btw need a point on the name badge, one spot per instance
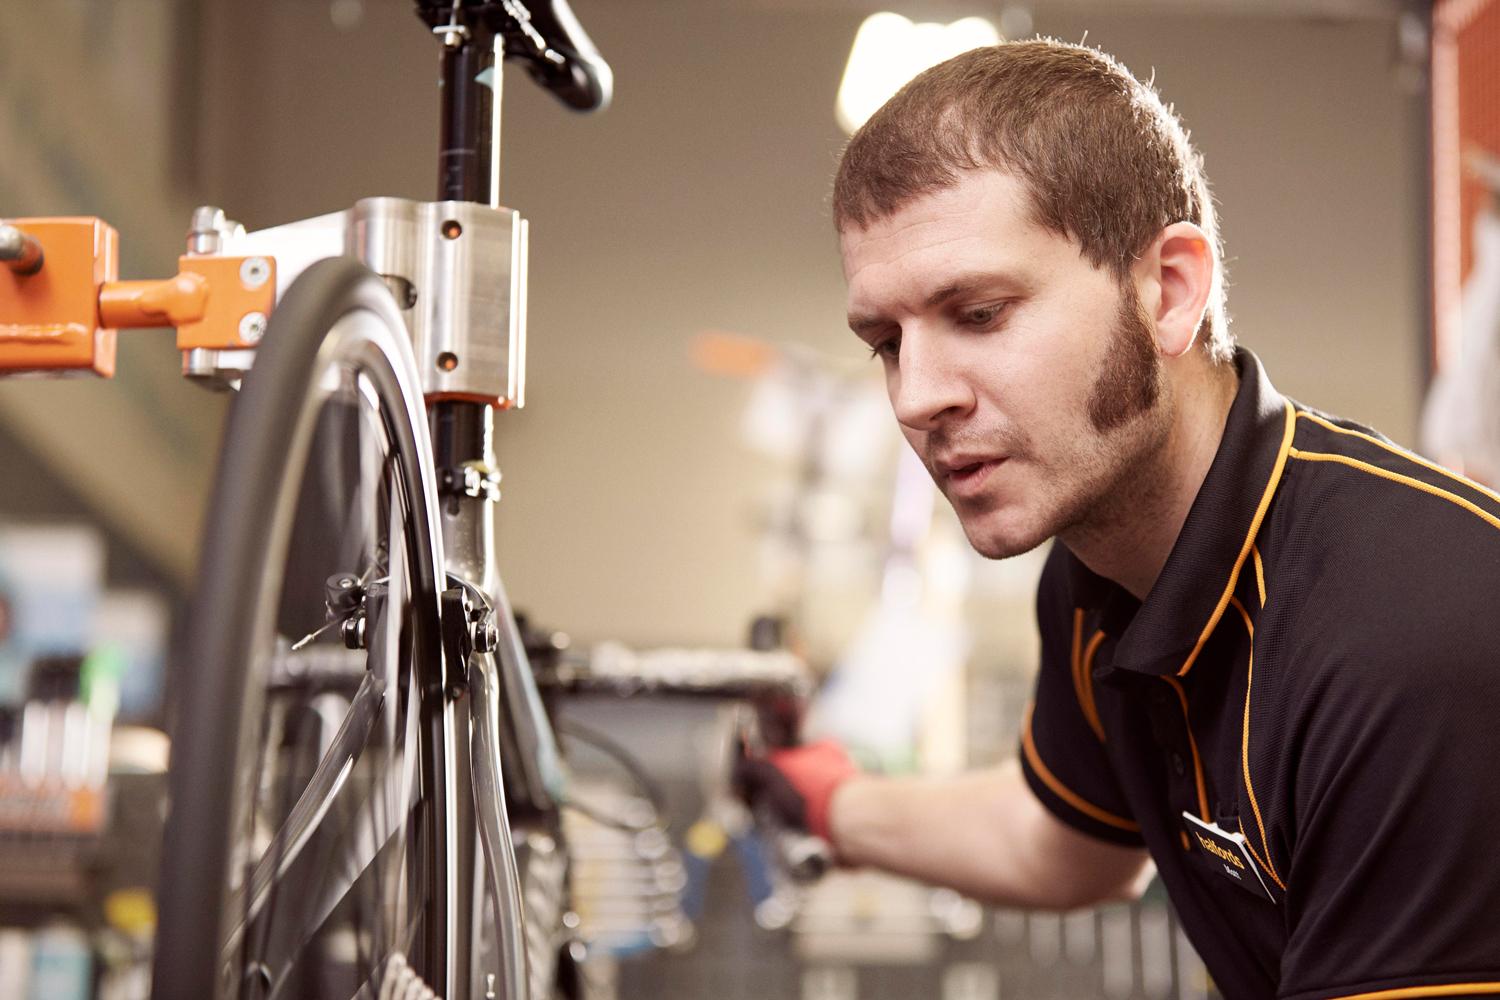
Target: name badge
(1229, 854)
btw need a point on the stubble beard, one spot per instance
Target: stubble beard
(1126, 409)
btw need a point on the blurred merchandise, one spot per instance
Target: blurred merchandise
(1461, 420)
(628, 878)
(56, 758)
(78, 840)
(866, 574)
(820, 524)
(125, 946)
(135, 624)
(870, 917)
(62, 967)
(15, 962)
(1463, 173)
(50, 579)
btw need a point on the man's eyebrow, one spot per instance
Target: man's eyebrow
(865, 324)
(962, 285)
(965, 284)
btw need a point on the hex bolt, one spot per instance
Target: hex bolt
(252, 327)
(254, 272)
(485, 635)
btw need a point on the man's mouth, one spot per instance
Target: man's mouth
(967, 478)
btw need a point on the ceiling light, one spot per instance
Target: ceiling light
(889, 50)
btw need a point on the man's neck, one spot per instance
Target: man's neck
(1130, 540)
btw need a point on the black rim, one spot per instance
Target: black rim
(319, 852)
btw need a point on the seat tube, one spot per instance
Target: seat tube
(468, 170)
(462, 435)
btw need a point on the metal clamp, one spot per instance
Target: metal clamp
(458, 273)
(465, 264)
(468, 627)
(472, 479)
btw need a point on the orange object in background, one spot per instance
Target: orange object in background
(1465, 120)
(736, 355)
(49, 321)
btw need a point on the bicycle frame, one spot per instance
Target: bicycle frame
(456, 270)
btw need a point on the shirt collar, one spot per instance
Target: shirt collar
(1164, 634)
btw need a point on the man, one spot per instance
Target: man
(1268, 635)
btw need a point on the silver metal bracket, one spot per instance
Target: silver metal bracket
(466, 265)
(456, 269)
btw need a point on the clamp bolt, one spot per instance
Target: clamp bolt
(252, 327)
(484, 635)
(254, 272)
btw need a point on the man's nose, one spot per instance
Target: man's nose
(929, 386)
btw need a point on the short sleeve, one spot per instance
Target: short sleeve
(1063, 754)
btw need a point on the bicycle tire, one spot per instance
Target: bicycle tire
(337, 328)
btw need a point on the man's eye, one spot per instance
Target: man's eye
(888, 349)
(984, 315)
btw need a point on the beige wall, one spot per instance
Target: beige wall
(698, 202)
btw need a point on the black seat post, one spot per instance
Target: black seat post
(469, 158)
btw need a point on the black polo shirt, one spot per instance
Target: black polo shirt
(1316, 669)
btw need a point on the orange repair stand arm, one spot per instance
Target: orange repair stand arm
(174, 301)
(62, 318)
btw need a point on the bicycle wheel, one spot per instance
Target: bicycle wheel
(307, 848)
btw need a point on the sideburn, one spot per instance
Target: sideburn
(1129, 380)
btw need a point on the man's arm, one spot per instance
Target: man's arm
(984, 834)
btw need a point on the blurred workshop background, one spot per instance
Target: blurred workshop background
(703, 440)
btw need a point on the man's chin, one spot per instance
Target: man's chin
(1001, 542)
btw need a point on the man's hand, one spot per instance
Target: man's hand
(983, 833)
(797, 784)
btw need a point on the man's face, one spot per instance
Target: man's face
(1026, 379)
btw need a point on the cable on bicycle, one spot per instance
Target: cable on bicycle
(613, 749)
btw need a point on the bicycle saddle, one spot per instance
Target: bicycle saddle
(543, 34)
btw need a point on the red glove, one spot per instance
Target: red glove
(797, 784)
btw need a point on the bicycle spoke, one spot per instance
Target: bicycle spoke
(372, 724)
(360, 850)
(359, 847)
(312, 806)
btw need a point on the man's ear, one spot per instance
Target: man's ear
(1175, 276)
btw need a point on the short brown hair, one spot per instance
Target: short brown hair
(1106, 163)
